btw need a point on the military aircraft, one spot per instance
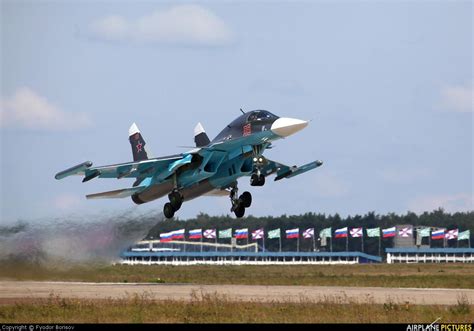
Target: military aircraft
(212, 168)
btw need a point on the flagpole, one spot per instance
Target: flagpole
(279, 239)
(201, 241)
(331, 242)
(298, 242)
(314, 244)
(362, 241)
(347, 243)
(380, 245)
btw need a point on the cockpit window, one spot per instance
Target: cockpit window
(260, 115)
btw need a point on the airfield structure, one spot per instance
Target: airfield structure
(430, 255)
(192, 253)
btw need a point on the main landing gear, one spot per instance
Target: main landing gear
(240, 203)
(176, 200)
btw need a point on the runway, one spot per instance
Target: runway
(13, 291)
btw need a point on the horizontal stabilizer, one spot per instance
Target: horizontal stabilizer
(123, 193)
(79, 169)
(288, 172)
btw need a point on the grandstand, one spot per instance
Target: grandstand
(430, 255)
(192, 253)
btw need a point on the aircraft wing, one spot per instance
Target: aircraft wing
(284, 171)
(122, 170)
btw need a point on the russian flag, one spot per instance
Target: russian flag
(390, 232)
(341, 233)
(438, 234)
(195, 234)
(293, 233)
(241, 233)
(168, 236)
(178, 234)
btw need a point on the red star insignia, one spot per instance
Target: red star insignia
(139, 147)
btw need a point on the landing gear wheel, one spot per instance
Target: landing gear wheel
(239, 211)
(254, 180)
(257, 180)
(176, 200)
(246, 199)
(168, 210)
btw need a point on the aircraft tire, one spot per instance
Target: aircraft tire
(239, 212)
(168, 210)
(254, 180)
(246, 199)
(261, 180)
(176, 200)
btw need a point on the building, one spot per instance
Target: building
(430, 255)
(194, 253)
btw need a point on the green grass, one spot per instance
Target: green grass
(381, 275)
(211, 308)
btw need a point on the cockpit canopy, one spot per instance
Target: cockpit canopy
(260, 115)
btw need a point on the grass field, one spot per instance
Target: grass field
(379, 275)
(216, 309)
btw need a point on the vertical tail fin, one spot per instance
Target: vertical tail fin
(138, 143)
(200, 137)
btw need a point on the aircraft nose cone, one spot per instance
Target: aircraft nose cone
(285, 126)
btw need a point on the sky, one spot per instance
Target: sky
(388, 87)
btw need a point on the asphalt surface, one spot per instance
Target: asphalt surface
(12, 291)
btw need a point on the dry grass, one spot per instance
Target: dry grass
(380, 275)
(205, 308)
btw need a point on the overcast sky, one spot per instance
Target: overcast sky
(388, 87)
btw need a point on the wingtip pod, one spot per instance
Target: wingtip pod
(78, 169)
(133, 129)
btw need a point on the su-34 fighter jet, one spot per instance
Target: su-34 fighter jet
(212, 168)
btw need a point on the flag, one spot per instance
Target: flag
(452, 234)
(356, 232)
(195, 234)
(324, 233)
(375, 232)
(341, 233)
(273, 234)
(225, 233)
(210, 233)
(241, 233)
(389, 232)
(308, 233)
(406, 232)
(464, 235)
(423, 232)
(178, 234)
(438, 234)
(293, 233)
(166, 236)
(258, 234)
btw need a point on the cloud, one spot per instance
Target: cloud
(458, 98)
(27, 109)
(179, 25)
(451, 203)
